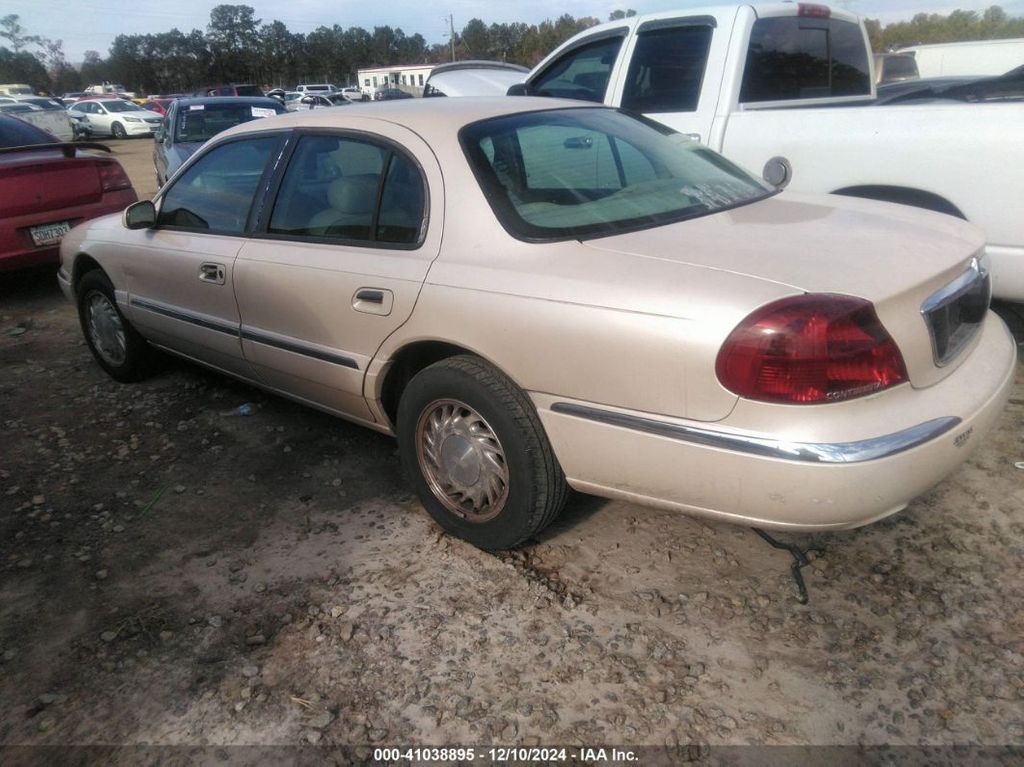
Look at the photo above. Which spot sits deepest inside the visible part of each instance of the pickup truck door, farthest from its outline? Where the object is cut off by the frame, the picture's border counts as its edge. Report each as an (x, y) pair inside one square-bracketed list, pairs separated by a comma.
[(585, 69), (672, 71), (339, 262)]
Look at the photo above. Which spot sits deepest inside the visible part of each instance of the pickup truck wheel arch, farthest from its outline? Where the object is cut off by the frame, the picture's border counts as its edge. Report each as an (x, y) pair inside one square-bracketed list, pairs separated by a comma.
[(902, 195)]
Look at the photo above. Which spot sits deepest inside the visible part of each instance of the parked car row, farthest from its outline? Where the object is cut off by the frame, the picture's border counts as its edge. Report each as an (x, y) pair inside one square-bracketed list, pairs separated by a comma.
[(43, 112)]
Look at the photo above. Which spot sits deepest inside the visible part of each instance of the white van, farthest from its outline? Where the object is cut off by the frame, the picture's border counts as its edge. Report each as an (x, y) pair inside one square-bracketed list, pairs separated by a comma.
[(979, 57), (16, 89), (321, 88)]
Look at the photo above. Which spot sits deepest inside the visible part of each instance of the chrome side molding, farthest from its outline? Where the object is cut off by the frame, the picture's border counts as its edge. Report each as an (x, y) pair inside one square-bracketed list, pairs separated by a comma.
[(808, 452)]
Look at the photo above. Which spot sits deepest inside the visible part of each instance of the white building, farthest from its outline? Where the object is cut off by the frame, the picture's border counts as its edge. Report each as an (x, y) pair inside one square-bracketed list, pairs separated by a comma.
[(406, 77)]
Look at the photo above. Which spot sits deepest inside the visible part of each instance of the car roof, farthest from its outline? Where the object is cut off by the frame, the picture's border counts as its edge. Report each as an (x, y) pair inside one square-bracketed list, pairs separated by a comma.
[(227, 100), (454, 66), (424, 116)]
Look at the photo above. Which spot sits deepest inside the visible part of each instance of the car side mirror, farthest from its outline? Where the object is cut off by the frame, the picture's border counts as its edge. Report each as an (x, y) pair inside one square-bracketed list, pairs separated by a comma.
[(139, 215), (158, 136), (519, 89)]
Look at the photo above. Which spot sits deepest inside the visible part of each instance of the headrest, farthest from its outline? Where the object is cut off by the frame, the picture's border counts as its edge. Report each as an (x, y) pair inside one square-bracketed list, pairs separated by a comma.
[(353, 194)]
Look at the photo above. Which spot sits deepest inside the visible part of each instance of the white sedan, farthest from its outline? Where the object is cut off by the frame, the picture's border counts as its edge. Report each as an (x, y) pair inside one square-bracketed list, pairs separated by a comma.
[(533, 295), (113, 117)]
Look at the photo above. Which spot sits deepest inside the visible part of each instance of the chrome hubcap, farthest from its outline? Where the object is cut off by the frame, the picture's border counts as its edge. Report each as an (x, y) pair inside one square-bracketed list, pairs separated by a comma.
[(462, 460), (106, 331)]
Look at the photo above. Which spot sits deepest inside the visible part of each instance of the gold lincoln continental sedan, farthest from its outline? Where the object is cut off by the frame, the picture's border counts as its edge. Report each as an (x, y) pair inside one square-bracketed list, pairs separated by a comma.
[(534, 295)]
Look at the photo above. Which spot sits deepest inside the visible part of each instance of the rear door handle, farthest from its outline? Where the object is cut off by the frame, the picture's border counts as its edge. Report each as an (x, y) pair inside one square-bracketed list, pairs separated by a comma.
[(212, 273), (372, 296), (373, 301)]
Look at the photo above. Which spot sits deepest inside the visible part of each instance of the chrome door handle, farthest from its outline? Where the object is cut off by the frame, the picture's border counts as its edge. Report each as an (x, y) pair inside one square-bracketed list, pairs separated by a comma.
[(212, 273)]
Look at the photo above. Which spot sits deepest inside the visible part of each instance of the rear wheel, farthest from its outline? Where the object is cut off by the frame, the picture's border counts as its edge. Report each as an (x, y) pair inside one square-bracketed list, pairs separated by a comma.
[(118, 130), (116, 345), (474, 448)]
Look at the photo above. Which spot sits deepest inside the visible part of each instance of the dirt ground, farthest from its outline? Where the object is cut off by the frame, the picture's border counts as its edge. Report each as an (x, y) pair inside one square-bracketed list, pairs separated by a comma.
[(173, 573)]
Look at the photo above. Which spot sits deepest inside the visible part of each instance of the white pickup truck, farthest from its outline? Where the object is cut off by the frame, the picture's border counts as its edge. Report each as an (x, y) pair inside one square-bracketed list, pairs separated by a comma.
[(784, 89)]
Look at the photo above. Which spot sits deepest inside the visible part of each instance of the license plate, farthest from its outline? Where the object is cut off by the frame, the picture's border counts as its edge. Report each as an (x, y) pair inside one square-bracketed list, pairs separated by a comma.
[(49, 234)]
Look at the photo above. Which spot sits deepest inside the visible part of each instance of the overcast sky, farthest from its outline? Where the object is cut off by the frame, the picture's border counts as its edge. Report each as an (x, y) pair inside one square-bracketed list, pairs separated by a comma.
[(93, 24)]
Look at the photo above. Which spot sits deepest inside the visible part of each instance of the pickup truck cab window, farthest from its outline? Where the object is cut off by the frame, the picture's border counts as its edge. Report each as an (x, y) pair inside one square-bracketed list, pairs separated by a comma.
[(667, 68), (216, 193), (793, 57), (581, 73)]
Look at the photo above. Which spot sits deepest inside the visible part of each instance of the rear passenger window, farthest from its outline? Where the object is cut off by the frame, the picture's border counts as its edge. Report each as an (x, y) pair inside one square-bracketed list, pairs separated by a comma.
[(349, 190), (581, 73), (667, 69), (801, 58)]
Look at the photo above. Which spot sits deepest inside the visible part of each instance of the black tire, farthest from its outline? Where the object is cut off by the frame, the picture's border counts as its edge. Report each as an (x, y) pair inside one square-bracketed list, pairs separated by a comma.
[(117, 131), (114, 343), (502, 422)]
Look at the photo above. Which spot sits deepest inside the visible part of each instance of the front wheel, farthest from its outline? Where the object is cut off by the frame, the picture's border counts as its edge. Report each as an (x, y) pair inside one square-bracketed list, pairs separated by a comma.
[(118, 130), (474, 448), (116, 345)]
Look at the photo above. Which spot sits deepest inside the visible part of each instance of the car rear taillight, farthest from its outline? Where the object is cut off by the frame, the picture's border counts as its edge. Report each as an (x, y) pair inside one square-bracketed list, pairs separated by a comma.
[(814, 11), (810, 349), (112, 176)]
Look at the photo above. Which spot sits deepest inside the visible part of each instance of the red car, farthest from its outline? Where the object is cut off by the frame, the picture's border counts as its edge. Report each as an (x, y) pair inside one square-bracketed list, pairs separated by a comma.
[(47, 187), (159, 105)]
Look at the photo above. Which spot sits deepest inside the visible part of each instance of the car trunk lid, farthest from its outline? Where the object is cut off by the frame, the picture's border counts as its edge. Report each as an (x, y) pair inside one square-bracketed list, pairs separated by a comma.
[(916, 267), (42, 180)]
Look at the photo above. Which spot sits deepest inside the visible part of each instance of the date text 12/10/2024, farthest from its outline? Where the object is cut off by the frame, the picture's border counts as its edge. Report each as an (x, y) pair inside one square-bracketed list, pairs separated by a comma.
[(502, 754)]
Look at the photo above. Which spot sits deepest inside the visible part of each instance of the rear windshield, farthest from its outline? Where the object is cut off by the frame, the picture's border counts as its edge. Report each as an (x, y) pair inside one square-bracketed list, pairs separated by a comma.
[(201, 122), (248, 90), (577, 173), (14, 132), (796, 57)]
